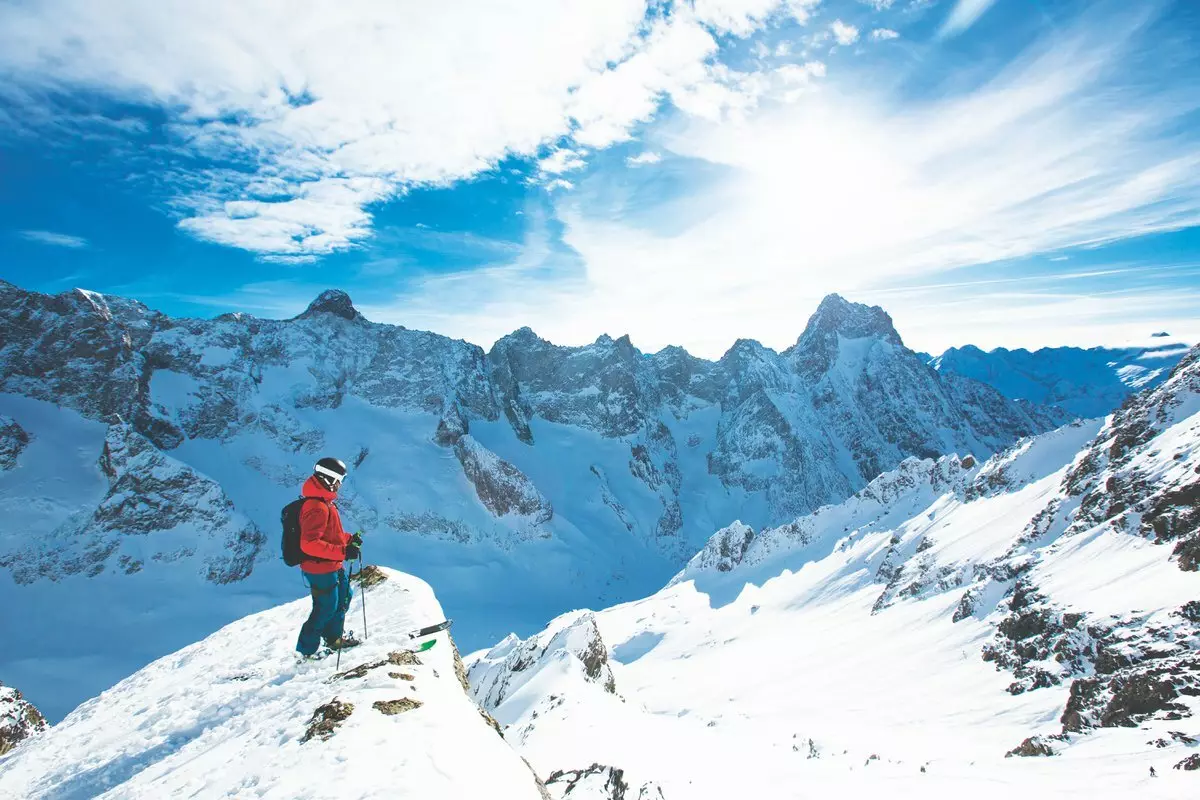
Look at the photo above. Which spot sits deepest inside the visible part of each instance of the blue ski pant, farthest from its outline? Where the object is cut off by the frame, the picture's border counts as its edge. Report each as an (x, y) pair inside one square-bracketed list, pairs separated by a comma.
[(331, 600)]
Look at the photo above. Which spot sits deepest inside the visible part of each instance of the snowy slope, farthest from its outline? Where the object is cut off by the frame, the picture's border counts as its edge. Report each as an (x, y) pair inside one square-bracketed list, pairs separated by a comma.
[(1088, 383), (233, 716), (903, 642), (144, 460)]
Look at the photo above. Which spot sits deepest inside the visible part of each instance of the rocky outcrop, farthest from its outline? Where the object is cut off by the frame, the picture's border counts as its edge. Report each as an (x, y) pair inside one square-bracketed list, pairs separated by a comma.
[(725, 550), (598, 782), (335, 302), (326, 719), (1153, 688), (1039, 643), (151, 497), (512, 663), (1031, 747), (502, 488), (1122, 480), (13, 440), (19, 720), (393, 707)]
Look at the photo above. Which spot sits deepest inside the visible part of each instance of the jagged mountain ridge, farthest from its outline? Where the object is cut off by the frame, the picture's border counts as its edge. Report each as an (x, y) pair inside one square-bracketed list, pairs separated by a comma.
[(584, 474), (876, 405), (952, 617)]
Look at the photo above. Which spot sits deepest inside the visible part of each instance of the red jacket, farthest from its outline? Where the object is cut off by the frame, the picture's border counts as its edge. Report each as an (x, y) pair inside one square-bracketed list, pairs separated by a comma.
[(321, 534)]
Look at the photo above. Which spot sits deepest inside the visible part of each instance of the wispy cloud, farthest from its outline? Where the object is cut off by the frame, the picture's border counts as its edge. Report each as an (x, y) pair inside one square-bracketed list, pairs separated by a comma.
[(884, 34), (1072, 143), (55, 239), (964, 14), (645, 157), (306, 121)]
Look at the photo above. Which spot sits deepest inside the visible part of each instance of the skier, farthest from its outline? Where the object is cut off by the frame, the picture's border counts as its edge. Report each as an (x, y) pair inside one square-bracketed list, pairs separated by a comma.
[(325, 546)]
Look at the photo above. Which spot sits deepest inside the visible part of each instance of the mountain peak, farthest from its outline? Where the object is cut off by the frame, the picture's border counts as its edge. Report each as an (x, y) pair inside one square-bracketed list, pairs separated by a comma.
[(836, 317), (332, 301), (836, 314)]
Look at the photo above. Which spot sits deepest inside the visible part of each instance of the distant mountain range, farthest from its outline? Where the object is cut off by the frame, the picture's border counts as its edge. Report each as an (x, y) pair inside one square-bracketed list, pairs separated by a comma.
[(1087, 383)]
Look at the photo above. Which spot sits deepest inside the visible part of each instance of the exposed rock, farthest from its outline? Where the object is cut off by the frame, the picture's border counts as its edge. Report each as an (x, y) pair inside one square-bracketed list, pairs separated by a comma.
[(725, 550), (19, 720), (326, 720), (598, 782), (393, 707), (13, 440), (502, 488), (395, 658), (1133, 694), (1033, 746), (333, 301), (149, 493), (452, 426), (1109, 482), (460, 669), (513, 662), (369, 576), (1190, 763)]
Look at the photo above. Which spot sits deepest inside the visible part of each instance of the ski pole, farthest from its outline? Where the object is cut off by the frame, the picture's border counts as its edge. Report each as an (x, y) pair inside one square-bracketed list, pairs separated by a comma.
[(362, 589), (338, 664)]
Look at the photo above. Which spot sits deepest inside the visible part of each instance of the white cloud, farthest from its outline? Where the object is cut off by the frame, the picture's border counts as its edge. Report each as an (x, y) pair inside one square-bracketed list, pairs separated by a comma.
[(796, 79), (884, 34), (643, 158), (843, 33), (562, 160), (319, 114), (878, 5), (964, 14), (55, 239), (849, 190), (802, 10)]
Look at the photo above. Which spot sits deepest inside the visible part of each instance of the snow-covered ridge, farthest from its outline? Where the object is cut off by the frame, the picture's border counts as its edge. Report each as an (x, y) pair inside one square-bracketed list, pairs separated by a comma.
[(234, 715), (1028, 624)]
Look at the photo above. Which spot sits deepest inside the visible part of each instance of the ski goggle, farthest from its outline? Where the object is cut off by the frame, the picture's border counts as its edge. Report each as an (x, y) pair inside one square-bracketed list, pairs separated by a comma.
[(328, 473)]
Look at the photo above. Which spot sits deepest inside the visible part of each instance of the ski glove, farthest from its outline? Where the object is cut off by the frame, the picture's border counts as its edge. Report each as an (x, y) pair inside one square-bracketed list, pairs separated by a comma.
[(356, 539), (352, 552)]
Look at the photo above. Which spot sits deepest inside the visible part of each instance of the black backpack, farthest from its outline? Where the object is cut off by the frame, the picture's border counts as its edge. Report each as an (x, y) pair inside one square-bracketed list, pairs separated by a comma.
[(290, 516)]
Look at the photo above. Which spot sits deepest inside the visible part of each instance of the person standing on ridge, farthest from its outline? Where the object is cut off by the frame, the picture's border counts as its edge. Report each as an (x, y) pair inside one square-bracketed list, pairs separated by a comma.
[(325, 548)]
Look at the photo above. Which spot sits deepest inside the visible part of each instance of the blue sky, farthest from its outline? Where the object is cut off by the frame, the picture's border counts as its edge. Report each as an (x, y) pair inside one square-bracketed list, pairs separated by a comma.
[(995, 172)]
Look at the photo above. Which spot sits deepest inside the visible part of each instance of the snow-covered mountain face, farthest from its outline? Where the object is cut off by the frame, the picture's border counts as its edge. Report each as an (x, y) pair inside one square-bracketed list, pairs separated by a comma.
[(235, 716), (144, 461), (1029, 623), (1087, 383)]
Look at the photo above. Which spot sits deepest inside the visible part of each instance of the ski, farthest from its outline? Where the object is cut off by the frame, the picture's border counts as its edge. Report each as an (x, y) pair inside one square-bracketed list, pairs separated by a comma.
[(425, 638)]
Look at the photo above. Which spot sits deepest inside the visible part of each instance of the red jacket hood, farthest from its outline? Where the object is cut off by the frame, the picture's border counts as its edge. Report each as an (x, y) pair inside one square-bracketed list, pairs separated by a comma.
[(313, 488)]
